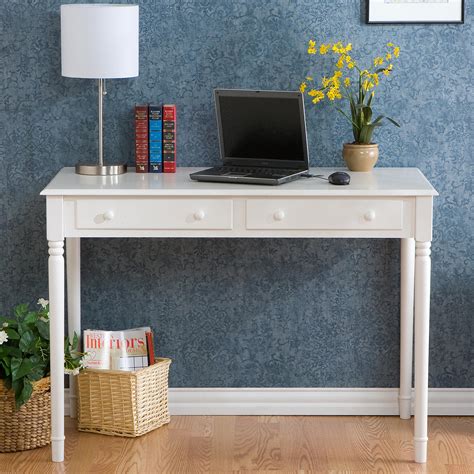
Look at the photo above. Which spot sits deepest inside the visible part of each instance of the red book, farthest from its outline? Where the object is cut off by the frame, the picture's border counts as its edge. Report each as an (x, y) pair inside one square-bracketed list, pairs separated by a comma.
[(169, 138), (150, 348), (141, 138)]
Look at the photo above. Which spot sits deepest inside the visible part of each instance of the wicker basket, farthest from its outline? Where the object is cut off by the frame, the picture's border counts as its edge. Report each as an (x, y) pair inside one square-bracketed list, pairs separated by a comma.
[(120, 403), (30, 426)]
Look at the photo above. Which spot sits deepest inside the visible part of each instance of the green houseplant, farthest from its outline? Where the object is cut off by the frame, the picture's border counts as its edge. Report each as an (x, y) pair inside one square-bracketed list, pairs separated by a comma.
[(24, 374), (358, 88)]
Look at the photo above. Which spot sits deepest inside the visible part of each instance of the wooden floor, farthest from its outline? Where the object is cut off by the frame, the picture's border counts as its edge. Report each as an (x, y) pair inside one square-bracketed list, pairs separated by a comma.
[(289, 444)]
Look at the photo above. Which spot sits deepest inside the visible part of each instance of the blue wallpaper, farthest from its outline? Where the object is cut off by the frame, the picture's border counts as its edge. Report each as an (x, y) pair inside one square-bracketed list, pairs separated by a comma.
[(246, 312)]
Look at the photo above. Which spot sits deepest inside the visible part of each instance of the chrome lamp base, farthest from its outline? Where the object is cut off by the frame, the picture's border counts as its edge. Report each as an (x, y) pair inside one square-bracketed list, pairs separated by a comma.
[(101, 170)]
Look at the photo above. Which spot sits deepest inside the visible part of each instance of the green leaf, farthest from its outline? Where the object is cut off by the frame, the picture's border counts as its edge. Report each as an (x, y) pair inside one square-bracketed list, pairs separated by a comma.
[(21, 310), (75, 342), (30, 318), (43, 329), (378, 119), (20, 368), (13, 351), (38, 370), (366, 134), (367, 113), (12, 334), (27, 341), (393, 121), (17, 386), (25, 393), (5, 363)]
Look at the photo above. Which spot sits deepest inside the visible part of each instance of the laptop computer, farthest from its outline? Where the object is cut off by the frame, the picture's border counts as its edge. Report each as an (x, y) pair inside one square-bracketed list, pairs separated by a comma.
[(262, 137)]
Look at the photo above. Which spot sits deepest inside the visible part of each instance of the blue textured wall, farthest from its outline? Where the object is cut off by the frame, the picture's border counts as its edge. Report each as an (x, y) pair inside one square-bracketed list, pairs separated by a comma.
[(246, 312)]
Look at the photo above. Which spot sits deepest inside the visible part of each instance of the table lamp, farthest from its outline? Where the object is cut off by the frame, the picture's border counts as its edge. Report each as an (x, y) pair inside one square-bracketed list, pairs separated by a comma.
[(99, 41)]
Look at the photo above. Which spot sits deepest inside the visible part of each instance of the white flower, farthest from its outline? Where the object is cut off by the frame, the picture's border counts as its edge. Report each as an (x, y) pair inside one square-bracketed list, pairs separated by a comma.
[(72, 371), (3, 337), (43, 303), (5, 325), (42, 318)]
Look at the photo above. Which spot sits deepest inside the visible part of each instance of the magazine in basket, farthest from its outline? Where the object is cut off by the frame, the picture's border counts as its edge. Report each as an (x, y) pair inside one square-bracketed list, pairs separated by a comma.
[(129, 349)]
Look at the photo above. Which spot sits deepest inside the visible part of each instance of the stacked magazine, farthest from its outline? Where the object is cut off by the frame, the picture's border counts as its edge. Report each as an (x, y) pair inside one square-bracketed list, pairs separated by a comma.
[(131, 349)]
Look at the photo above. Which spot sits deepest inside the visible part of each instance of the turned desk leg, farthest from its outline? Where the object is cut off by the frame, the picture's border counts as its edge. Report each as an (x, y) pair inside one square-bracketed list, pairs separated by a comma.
[(73, 268), (56, 315), (422, 321), (407, 288)]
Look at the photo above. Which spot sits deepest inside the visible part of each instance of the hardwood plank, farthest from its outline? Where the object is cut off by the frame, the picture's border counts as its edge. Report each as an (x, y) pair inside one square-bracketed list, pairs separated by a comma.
[(302, 445), (222, 459)]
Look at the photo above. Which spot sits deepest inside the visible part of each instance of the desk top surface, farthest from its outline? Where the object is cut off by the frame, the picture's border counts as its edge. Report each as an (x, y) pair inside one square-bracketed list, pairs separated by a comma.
[(379, 182)]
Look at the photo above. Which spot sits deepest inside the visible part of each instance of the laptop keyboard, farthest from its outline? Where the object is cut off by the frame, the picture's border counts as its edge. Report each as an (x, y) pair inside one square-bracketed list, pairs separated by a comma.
[(255, 170)]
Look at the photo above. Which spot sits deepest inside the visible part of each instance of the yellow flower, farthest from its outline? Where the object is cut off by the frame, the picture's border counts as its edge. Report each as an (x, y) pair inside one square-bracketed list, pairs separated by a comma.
[(350, 64), (309, 78), (303, 86), (367, 85), (324, 48), (334, 80), (338, 48), (317, 95), (347, 82), (388, 70), (396, 51), (311, 47), (375, 78), (340, 61), (348, 47), (390, 45), (325, 81), (334, 93), (378, 61), (388, 56)]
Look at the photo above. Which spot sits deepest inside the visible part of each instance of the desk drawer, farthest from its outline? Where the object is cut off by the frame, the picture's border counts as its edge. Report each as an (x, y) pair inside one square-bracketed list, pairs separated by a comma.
[(321, 213), (169, 214)]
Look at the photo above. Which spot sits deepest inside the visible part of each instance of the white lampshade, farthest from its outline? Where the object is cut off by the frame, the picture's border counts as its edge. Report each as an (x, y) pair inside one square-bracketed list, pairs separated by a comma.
[(99, 41)]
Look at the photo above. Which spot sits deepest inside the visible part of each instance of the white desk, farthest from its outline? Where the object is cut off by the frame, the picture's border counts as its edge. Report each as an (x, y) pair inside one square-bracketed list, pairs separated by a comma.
[(389, 202)]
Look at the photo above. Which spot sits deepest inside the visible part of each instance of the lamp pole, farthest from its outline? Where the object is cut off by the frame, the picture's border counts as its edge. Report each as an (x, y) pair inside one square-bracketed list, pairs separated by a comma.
[(102, 92)]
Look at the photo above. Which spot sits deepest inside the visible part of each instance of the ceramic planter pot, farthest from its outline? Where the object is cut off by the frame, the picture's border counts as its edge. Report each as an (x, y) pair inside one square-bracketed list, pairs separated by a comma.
[(360, 157)]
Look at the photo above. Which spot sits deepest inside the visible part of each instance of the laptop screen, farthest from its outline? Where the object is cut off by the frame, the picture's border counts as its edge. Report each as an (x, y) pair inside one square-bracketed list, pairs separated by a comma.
[(262, 128)]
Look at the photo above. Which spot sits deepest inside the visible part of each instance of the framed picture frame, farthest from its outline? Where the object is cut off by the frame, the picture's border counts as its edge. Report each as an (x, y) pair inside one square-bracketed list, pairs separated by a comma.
[(415, 11)]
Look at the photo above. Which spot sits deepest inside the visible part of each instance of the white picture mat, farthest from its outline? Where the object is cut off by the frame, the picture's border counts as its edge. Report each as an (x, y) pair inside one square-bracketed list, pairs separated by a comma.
[(429, 11)]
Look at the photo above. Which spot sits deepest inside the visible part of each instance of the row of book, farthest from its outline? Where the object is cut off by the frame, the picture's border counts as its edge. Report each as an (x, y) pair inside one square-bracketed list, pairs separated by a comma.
[(155, 138), (131, 349)]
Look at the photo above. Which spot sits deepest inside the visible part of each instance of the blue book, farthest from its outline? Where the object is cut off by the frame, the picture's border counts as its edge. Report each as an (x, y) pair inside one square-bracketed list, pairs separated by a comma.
[(155, 124)]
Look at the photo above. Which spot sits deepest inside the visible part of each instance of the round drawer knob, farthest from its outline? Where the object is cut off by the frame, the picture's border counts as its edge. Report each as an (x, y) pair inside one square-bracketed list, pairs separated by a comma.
[(279, 215), (369, 215), (199, 215), (108, 216)]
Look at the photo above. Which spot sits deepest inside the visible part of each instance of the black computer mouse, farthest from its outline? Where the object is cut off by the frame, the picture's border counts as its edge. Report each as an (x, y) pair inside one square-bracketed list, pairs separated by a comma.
[(339, 177)]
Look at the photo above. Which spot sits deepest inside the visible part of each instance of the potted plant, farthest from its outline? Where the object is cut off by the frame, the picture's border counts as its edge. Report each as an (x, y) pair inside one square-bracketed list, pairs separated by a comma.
[(25, 400), (357, 86)]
